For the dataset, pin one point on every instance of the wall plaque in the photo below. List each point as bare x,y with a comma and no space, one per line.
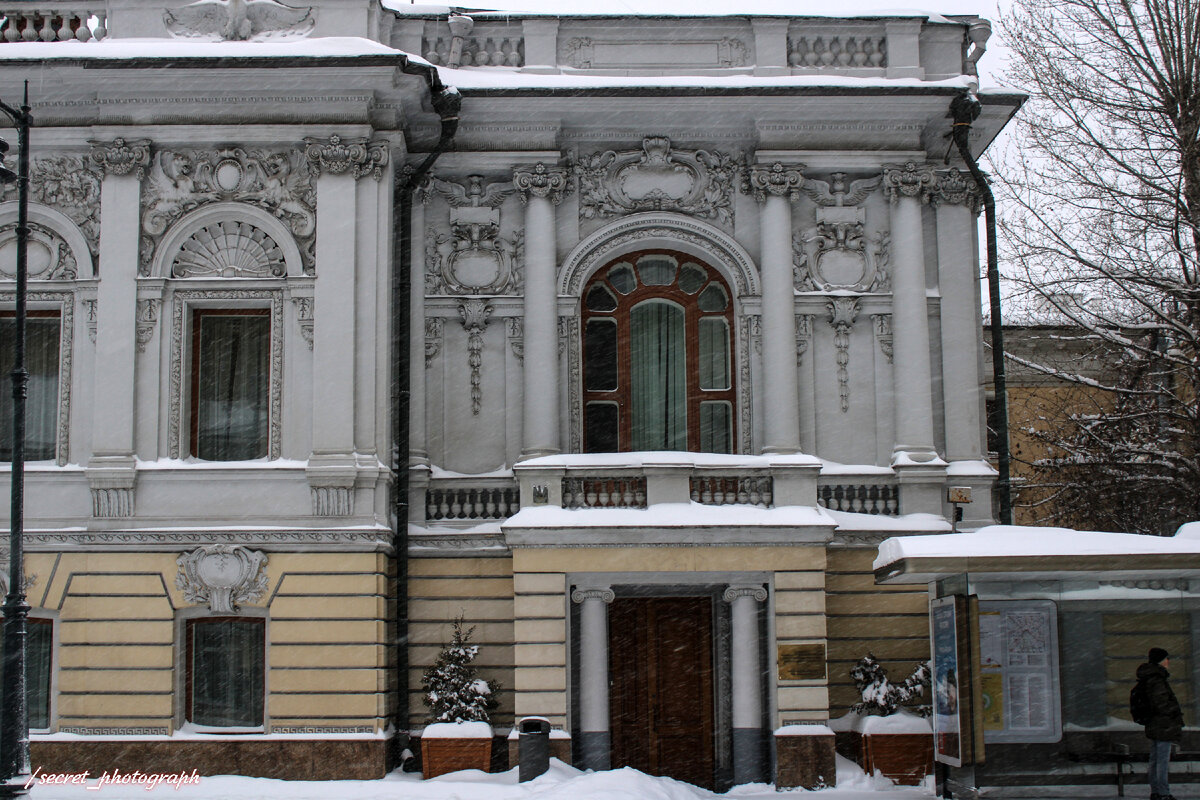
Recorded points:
801,662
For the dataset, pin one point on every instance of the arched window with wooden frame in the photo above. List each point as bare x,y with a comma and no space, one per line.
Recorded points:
658,356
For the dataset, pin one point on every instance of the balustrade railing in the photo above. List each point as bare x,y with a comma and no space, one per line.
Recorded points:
837,52
448,503
730,489
626,491
52,22
870,498
478,51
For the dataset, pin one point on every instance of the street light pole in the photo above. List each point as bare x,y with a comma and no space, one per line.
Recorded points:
14,727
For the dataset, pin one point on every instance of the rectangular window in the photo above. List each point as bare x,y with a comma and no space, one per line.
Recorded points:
716,427
42,333
39,665
714,353
230,383
600,428
226,671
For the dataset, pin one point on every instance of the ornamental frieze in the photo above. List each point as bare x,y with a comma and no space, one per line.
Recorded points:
69,184
657,178
181,181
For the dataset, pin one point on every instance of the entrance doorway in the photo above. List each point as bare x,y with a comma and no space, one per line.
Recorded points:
661,695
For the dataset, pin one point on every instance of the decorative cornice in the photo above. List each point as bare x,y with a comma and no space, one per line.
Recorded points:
776,180
908,180
297,539
602,593
222,575
542,182
121,156
759,593
335,156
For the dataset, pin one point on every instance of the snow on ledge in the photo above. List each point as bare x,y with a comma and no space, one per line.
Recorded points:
804,730
117,49
1026,540
671,515
666,458
903,721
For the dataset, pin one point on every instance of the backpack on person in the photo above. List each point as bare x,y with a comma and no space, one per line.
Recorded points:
1139,703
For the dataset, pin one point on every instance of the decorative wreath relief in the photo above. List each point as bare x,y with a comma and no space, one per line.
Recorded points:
222,575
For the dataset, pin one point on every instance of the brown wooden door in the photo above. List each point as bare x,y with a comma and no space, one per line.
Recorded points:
661,698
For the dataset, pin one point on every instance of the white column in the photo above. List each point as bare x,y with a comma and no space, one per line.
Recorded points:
749,741
112,466
908,187
594,743
541,188
775,187
920,472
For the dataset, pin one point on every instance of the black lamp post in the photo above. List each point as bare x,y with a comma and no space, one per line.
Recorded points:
14,726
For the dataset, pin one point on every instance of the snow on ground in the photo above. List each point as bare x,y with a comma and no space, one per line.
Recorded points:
562,782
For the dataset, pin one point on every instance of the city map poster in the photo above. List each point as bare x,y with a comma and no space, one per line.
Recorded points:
947,716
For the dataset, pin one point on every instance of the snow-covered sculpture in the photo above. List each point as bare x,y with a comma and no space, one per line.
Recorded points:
881,697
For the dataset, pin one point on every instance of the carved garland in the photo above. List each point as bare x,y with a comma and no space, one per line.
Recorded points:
66,354
183,299
843,311
475,313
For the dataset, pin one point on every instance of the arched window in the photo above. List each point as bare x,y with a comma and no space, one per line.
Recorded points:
657,355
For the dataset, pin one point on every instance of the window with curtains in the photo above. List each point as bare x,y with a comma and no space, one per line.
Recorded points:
39,669
226,671
657,355
42,341
230,383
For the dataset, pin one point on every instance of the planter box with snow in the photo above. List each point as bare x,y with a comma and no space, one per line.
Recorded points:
805,757
450,747
899,746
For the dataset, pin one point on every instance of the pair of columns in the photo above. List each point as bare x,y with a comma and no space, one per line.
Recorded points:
749,736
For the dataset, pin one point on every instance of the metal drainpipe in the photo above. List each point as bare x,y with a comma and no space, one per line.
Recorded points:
965,109
446,102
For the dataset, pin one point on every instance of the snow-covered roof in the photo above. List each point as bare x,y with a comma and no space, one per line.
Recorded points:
125,49
1030,551
847,9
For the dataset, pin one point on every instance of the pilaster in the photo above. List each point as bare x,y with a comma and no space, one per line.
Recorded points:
337,165
111,469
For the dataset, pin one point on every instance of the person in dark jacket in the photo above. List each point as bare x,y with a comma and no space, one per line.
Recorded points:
1165,727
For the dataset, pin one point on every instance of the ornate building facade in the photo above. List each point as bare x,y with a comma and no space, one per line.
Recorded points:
683,320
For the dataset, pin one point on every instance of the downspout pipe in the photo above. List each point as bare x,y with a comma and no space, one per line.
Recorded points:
965,109
447,102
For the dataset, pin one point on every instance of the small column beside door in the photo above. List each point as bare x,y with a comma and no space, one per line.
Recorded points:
595,745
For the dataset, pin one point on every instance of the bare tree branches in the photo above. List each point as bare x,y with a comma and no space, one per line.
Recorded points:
1103,228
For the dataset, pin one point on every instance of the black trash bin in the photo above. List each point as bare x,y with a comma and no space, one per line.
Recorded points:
533,743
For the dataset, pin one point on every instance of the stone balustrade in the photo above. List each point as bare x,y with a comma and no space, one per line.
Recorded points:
460,499
859,498
824,53
52,21
480,50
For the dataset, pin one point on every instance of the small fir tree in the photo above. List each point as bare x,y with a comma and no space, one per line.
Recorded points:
453,690
881,697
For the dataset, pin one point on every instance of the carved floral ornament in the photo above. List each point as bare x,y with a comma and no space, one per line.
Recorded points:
222,576
776,180
657,178
335,156
121,157
542,182
908,180
181,181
